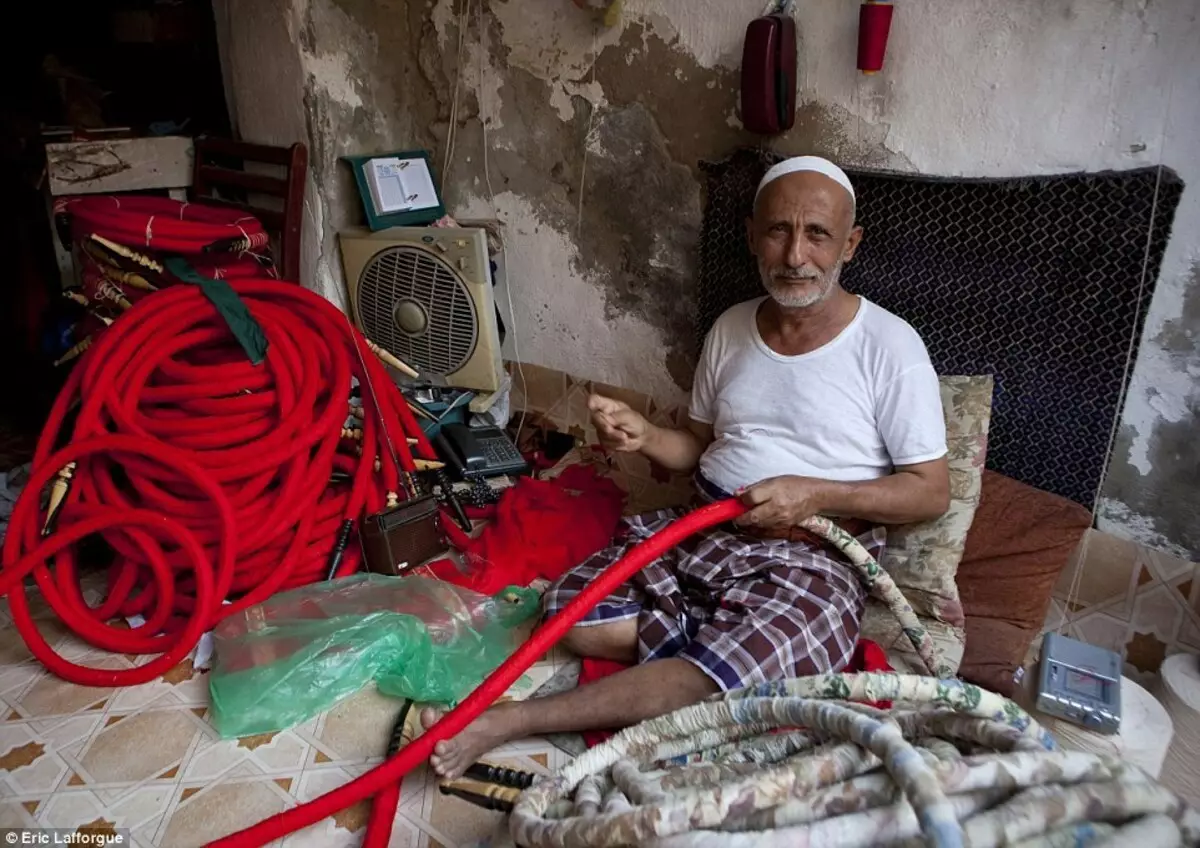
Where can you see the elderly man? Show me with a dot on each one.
(809, 400)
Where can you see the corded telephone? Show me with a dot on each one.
(769, 73)
(479, 451)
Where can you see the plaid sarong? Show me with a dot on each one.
(744, 610)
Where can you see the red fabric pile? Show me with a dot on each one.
(868, 656)
(541, 528)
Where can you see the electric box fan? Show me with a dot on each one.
(424, 294)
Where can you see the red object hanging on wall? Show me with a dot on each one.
(874, 22)
(769, 75)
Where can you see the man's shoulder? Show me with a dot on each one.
(735, 313)
(735, 320)
(891, 334)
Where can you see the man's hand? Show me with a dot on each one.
(620, 428)
(782, 501)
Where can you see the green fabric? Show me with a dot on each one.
(283, 661)
(230, 307)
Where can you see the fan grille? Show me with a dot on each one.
(401, 275)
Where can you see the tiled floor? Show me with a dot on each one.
(1123, 596)
(146, 758)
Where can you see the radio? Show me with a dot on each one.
(403, 536)
(1080, 683)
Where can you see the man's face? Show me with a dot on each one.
(802, 233)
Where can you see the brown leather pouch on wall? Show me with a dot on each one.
(769, 75)
(402, 537)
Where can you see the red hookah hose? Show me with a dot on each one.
(181, 401)
(209, 477)
(159, 223)
(389, 773)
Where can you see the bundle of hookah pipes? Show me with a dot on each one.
(129, 246)
(208, 436)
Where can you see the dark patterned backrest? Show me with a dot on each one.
(1041, 282)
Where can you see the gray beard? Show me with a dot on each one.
(788, 297)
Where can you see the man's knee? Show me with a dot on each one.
(614, 640)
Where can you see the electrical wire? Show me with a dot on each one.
(587, 138)
(452, 126)
(1081, 559)
(487, 176)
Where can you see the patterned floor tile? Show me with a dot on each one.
(1189, 635)
(49, 695)
(1158, 610)
(15, 814)
(1102, 630)
(358, 728)
(1108, 565)
(119, 753)
(204, 813)
(462, 823)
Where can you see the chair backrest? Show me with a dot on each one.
(237, 174)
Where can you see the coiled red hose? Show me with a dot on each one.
(188, 456)
(389, 773)
(209, 477)
(160, 223)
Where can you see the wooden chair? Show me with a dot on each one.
(222, 177)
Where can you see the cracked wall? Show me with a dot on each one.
(594, 135)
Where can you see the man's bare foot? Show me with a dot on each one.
(497, 725)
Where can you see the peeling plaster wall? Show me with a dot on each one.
(619, 118)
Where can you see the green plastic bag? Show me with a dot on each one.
(297, 654)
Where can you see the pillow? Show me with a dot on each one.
(879, 625)
(923, 557)
(1020, 542)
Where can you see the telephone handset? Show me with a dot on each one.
(461, 448)
(769, 74)
(479, 451)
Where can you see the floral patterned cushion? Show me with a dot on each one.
(923, 558)
(880, 625)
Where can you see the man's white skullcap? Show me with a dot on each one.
(806, 163)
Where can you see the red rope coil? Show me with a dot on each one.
(159, 223)
(210, 478)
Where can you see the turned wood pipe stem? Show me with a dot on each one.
(486, 795)
(391, 361)
(420, 410)
(58, 493)
(360, 413)
(421, 464)
(502, 775)
(129, 278)
(80, 298)
(77, 350)
(132, 255)
(110, 292)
